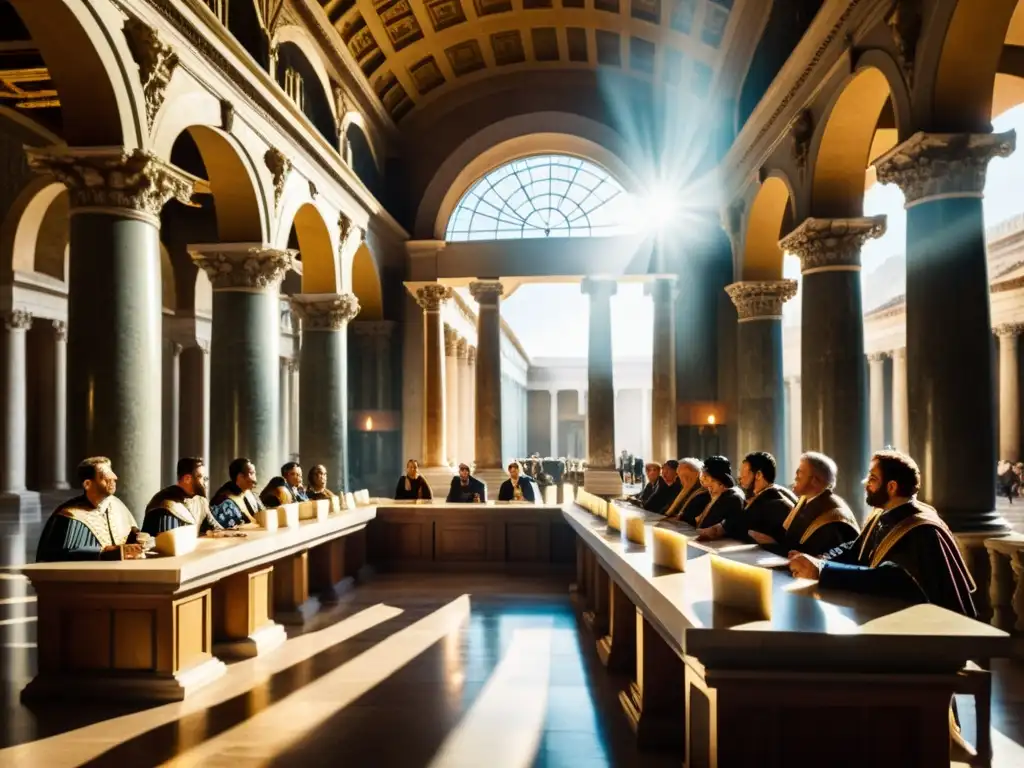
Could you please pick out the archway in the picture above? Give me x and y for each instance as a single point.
(244, 23)
(366, 284)
(319, 270)
(361, 157)
(770, 213)
(315, 101)
(39, 206)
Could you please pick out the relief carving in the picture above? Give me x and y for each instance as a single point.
(432, 296)
(227, 115)
(328, 312)
(279, 167)
(252, 268)
(17, 320)
(905, 24)
(762, 299)
(802, 130)
(156, 60)
(486, 291)
(832, 243)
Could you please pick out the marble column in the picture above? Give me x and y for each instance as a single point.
(488, 422)
(553, 393)
(245, 356)
(900, 405)
(794, 444)
(664, 428)
(949, 332)
(602, 477)
(113, 395)
(760, 392)
(467, 385)
(171, 410)
(451, 382)
(323, 379)
(293, 415)
(431, 298)
(832, 370)
(285, 406)
(1009, 391)
(876, 391)
(194, 419)
(15, 500)
(58, 480)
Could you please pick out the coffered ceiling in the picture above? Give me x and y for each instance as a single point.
(414, 51)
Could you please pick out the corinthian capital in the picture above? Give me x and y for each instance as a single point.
(17, 320)
(761, 299)
(1005, 330)
(451, 340)
(242, 266)
(486, 292)
(831, 244)
(133, 181)
(325, 311)
(461, 348)
(936, 165)
(432, 296)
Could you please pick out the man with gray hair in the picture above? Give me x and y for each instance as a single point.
(691, 500)
(820, 520)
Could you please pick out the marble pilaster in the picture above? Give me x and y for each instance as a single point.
(451, 382)
(58, 473)
(761, 396)
(113, 394)
(876, 394)
(900, 404)
(431, 297)
(794, 443)
(245, 354)
(602, 477)
(292, 448)
(285, 405)
(323, 379)
(952, 430)
(488, 422)
(171, 411)
(467, 406)
(1009, 391)
(832, 371)
(194, 432)
(664, 428)
(15, 500)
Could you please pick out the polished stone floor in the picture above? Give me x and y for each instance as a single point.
(409, 671)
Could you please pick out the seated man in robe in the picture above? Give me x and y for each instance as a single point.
(518, 487)
(235, 502)
(286, 488)
(412, 485)
(821, 520)
(653, 472)
(466, 489)
(667, 490)
(693, 496)
(766, 507)
(724, 499)
(318, 484)
(93, 526)
(183, 503)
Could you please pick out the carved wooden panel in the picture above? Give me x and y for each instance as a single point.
(461, 541)
(134, 640)
(362, 45)
(444, 13)
(400, 22)
(427, 75)
(508, 47)
(528, 542)
(465, 57)
(409, 541)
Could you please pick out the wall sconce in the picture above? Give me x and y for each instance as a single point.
(369, 423)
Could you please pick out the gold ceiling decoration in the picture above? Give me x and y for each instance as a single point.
(28, 88)
(411, 50)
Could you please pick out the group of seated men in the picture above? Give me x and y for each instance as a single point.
(98, 526)
(466, 489)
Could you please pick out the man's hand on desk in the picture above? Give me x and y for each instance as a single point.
(761, 538)
(128, 551)
(804, 566)
(712, 533)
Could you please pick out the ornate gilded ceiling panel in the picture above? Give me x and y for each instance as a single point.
(414, 51)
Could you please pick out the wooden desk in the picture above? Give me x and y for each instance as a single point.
(827, 669)
(470, 537)
(146, 629)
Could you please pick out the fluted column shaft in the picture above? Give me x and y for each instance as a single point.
(489, 464)
(431, 298)
(1009, 391)
(451, 382)
(113, 396)
(601, 477)
(761, 394)
(323, 381)
(948, 320)
(832, 371)
(900, 406)
(664, 429)
(876, 389)
(15, 423)
(245, 357)
(58, 479)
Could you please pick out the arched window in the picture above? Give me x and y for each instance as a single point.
(542, 196)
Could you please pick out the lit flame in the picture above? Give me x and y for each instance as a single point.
(711, 419)
(369, 423)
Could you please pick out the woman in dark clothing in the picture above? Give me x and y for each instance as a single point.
(411, 486)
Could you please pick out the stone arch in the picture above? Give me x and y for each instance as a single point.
(842, 145)
(366, 284)
(23, 225)
(290, 36)
(319, 266)
(87, 55)
(361, 157)
(771, 210)
(355, 118)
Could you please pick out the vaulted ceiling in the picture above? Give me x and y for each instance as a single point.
(414, 51)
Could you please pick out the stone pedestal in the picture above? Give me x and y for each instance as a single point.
(760, 389)
(451, 381)
(876, 393)
(900, 406)
(1009, 391)
(664, 430)
(490, 466)
(245, 354)
(602, 477)
(323, 420)
(952, 429)
(16, 502)
(114, 307)
(832, 367)
(434, 465)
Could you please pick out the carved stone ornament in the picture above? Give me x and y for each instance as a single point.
(877, 357)
(461, 348)
(597, 287)
(905, 22)
(157, 62)
(432, 296)
(247, 268)
(60, 330)
(451, 339)
(17, 320)
(325, 312)
(279, 167)
(761, 300)
(937, 165)
(1005, 330)
(227, 115)
(486, 291)
(802, 130)
(828, 244)
(313, 191)
(103, 177)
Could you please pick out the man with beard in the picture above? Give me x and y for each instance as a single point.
(94, 526)
(183, 503)
(234, 503)
(766, 507)
(285, 488)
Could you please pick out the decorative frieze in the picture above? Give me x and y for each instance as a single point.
(60, 330)
(325, 311)
(103, 178)
(928, 166)
(156, 60)
(829, 245)
(243, 266)
(279, 167)
(1005, 330)
(349, 232)
(17, 320)
(761, 299)
(486, 292)
(432, 296)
